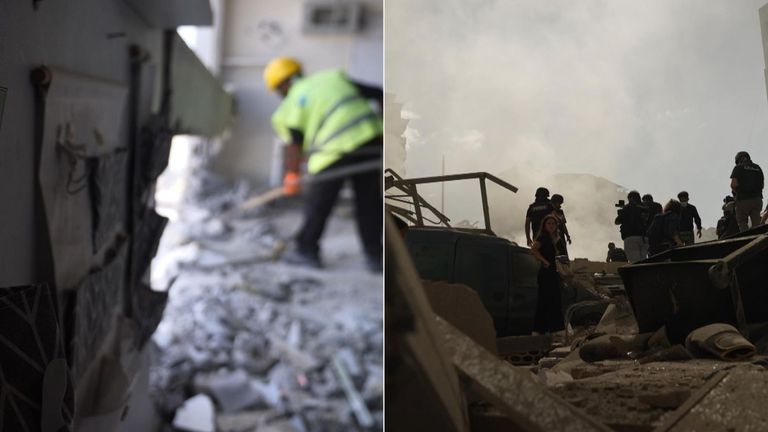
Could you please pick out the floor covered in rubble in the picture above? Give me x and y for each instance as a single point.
(662, 389)
(250, 343)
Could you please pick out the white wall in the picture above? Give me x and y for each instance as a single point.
(86, 36)
(254, 32)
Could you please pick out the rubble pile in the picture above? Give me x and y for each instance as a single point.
(270, 346)
(630, 380)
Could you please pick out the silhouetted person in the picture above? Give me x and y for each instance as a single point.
(549, 316)
(747, 186)
(653, 207)
(536, 212)
(662, 233)
(615, 254)
(633, 218)
(727, 225)
(557, 202)
(688, 215)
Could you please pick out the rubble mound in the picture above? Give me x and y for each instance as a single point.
(273, 346)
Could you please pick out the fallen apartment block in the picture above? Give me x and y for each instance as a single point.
(693, 286)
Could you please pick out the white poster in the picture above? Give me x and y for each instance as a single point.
(83, 118)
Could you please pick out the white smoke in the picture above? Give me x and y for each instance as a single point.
(656, 96)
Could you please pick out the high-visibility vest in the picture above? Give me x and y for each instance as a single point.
(331, 114)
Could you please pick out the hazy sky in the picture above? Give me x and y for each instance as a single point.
(656, 95)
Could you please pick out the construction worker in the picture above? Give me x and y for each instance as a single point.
(328, 117)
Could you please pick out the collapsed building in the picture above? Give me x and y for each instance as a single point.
(92, 97)
(674, 342)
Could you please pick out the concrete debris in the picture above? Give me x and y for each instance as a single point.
(362, 414)
(196, 415)
(717, 406)
(260, 337)
(672, 353)
(637, 397)
(548, 362)
(461, 306)
(618, 318)
(523, 350)
(667, 399)
(560, 352)
(231, 389)
(526, 402)
(614, 346)
(552, 378)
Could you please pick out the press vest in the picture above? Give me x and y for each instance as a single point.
(331, 114)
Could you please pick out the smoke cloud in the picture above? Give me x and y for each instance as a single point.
(656, 96)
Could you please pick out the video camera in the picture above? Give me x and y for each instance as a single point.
(620, 204)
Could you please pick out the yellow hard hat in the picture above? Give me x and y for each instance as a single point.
(279, 70)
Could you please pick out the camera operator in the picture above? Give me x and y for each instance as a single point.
(633, 218)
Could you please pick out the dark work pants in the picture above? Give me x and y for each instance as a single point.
(369, 209)
(549, 314)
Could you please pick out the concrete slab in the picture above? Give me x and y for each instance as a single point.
(514, 392)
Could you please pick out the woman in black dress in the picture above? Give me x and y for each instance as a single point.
(549, 316)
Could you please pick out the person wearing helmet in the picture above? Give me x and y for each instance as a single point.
(747, 186)
(328, 117)
(540, 207)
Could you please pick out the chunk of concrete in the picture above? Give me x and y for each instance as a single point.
(667, 399)
(231, 389)
(196, 415)
(515, 392)
(461, 306)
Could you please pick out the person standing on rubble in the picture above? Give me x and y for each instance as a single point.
(633, 219)
(329, 118)
(540, 207)
(663, 230)
(688, 215)
(549, 316)
(653, 207)
(557, 202)
(615, 254)
(747, 186)
(727, 225)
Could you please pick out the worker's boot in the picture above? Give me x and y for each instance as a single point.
(302, 258)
